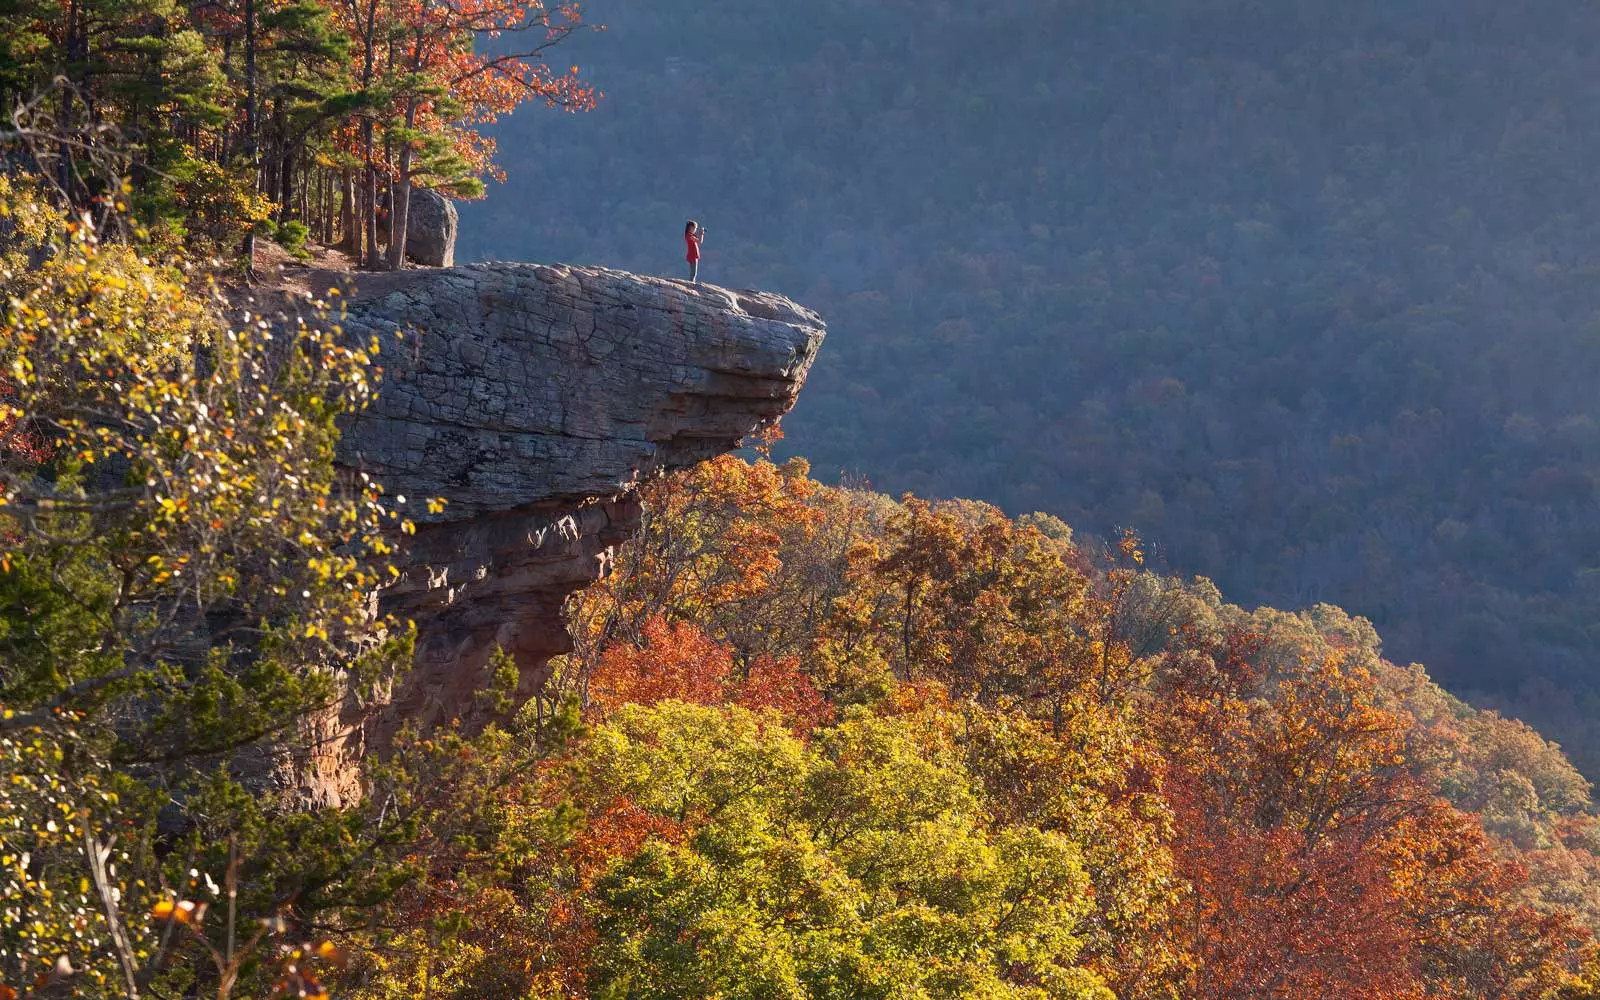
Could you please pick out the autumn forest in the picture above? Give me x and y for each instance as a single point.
(1071, 714)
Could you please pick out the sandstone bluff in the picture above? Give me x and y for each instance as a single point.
(534, 399)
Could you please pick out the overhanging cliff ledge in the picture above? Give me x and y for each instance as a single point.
(534, 399)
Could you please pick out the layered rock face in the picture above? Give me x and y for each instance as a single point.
(534, 399)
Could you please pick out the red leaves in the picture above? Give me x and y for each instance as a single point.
(440, 50)
(20, 446)
(679, 661)
(1319, 864)
(1270, 915)
(1279, 802)
(1309, 853)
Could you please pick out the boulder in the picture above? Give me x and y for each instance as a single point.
(431, 224)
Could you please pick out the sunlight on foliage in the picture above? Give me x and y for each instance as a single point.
(184, 580)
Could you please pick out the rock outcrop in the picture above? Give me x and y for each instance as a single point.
(431, 225)
(534, 399)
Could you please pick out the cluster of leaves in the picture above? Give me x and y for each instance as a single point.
(63, 838)
(1303, 294)
(682, 848)
(189, 493)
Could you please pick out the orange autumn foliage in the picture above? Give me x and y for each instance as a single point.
(612, 833)
(713, 552)
(1319, 864)
(679, 661)
(1258, 809)
(442, 46)
(514, 907)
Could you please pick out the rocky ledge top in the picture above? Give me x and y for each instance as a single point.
(531, 384)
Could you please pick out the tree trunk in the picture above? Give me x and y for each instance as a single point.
(251, 118)
(283, 179)
(369, 193)
(400, 211)
(225, 133)
(64, 152)
(349, 242)
(369, 200)
(400, 204)
(388, 198)
(285, 184)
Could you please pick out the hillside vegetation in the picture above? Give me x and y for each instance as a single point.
(812, 742)
(845, 745)
(1305, 293)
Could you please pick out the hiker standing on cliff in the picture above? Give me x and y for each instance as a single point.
(692, 235)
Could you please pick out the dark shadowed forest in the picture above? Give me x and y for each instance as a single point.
(1304, 293)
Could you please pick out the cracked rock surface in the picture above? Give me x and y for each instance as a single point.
(533, 399)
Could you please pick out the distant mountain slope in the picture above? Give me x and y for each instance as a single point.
(1305, 293)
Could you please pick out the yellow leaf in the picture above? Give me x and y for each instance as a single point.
(331, 953)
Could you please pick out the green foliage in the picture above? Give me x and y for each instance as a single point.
(292, 237)
(858, 866)
(203, 208)
(60, 800)
(224, 116)
(1251, 795)
(181, 501)
(484, 823)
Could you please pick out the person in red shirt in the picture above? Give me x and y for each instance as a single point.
(692, 235)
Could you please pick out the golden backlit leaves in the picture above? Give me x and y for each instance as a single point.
(196, 570)
(52, 925)
(183, 911)
(227, 490)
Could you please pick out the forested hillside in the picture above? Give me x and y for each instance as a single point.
(1306, 293)
(810, 742)
(844, 745)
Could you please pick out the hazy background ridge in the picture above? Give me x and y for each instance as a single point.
(1305, 293)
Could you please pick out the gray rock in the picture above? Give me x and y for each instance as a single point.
(431, 224)
(535, 399)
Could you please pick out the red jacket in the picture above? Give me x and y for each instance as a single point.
(693, 242)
